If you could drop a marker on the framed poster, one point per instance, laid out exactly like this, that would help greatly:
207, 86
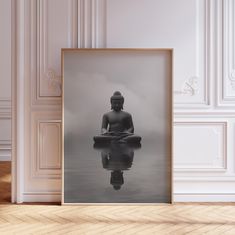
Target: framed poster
117, 126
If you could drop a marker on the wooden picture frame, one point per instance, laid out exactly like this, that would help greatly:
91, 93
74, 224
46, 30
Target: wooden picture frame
117, 126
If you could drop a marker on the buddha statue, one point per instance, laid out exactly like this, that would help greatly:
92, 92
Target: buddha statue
117, 125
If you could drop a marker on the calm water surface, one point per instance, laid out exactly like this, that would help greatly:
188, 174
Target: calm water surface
119, 173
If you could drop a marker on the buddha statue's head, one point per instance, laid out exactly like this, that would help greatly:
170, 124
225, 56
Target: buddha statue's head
117, 101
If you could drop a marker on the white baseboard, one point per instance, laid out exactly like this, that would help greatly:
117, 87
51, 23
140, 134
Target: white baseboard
5, 155
226, 197
5, 158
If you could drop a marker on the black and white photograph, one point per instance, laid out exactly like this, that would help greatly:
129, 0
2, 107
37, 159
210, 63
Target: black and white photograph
117, 126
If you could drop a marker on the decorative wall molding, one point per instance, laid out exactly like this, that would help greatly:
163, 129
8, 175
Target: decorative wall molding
232, 79
189, 87
206, 197
5, 113
101, 24
5, 102
91, 23
18, 43
192, 113
38, 72
213, 130
226, 75
86, 26
54, 81
5, 151
5, 108
229, 44
5, 139
5, 144
212, 53
206, 178
49, 145
47, 41
45, 161
198, 85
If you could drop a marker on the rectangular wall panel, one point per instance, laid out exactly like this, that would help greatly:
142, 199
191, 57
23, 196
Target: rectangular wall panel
228, 77
42, 163
49, 145
45, 145
199, 146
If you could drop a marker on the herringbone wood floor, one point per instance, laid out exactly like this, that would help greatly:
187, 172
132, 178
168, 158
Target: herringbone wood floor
180, 218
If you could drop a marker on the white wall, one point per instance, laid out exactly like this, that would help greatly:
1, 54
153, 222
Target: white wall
202, 33
5, 80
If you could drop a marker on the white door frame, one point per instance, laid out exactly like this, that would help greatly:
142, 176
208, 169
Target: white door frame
17, 93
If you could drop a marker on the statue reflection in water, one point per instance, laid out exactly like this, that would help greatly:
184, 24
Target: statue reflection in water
117, 141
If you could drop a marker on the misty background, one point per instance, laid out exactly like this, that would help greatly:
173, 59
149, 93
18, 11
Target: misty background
143, 78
